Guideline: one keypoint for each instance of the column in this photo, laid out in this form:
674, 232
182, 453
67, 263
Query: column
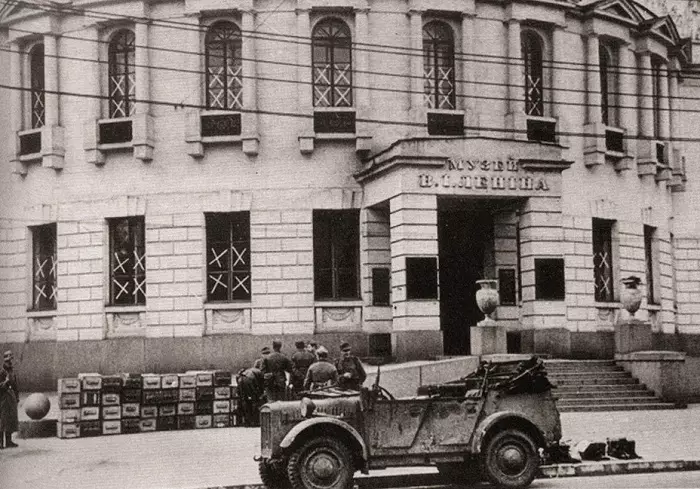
646, 153
675, 148
51, 80
628, 88
143, 139
559, 79
664, 105
515, 85
362, 82
593, 79
16, 110
413, 230
193, 88
93, 85
416, 64
469, 67
304, 82
250, 87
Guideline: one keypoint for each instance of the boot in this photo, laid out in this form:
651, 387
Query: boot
8, 440
2, 440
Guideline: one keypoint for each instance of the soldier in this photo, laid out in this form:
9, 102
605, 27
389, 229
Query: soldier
301, 361
263, 353
321, 373
275, 367
313, 348
9, 396
250, 392
351, 373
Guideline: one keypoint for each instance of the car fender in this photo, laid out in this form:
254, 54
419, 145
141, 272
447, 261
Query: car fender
306, 424
487, 423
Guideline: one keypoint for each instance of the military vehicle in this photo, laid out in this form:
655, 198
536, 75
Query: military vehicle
491, 424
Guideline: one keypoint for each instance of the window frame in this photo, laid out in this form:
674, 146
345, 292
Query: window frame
127, 50
528, 39
433, 47
232, 221
651, 262
656, 80
608, 63
37, 85
331, 43
234, 42
138, 250
45, 264
328, 238
601, 229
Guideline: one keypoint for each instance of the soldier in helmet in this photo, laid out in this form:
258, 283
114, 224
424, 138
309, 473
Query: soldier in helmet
275, 368
9, 397
250, 392
301, 361
321, 373
351, 373
264, 352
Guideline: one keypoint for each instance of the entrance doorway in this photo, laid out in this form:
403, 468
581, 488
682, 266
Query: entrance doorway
465, 247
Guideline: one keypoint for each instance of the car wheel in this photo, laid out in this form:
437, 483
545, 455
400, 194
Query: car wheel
510, 459
321, 463
273, 474
460, 472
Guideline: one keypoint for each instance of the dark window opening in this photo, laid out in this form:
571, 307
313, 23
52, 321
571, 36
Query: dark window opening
421, 278
127, 261
549, 279
30, 143
543, 131
381, 287
228, 256
614, 141
221, 125
37, 86
603, 260
650, 259
44, 283
380, 345
336, 254
506, 286
445, 124
532, 52
113, 132
334, 122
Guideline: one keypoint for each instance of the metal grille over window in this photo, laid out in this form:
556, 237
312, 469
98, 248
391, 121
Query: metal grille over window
228, 256
332, 64
224, 67
534, 87
44, 287
127, 261
438, 66
122, 82
336, 254
602, 260
36, 63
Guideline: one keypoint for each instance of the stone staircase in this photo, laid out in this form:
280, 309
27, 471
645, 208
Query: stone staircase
599, 385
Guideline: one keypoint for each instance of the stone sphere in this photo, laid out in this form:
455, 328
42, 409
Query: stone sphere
37, 405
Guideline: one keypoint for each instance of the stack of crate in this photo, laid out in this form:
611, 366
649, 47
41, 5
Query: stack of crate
93, 405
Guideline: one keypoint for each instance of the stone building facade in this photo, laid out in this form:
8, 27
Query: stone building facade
184, 180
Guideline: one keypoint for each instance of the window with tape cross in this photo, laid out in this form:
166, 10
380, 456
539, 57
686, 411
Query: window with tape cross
122, 76
44, 287
532, 52
438, 66
224, 67
36, 75
332, 64
228, 256
603, 260
127, 261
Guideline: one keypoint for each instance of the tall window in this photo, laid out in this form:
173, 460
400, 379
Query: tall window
656, 81
532, 50
336, 254
127, 261
439, 66
332, 64
650, 259
224, 66
36, 75
603, 260
122, 88
44, 265
608, 83
228, 256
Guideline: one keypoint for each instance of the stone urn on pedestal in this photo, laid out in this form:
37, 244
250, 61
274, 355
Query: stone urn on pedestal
632, 334
487, 337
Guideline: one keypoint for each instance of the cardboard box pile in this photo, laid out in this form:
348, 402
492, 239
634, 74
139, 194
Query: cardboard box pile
94, 404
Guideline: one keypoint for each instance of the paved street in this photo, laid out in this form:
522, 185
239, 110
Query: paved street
213, 457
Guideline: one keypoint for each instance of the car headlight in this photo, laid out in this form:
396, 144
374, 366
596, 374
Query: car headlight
307, 407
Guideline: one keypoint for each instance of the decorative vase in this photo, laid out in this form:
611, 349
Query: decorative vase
487, 297
631, 295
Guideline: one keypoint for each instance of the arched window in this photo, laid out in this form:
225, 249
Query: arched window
439, 66
36, 75
332, 64
122, 88
608, 83
224, 67
532, 52
656, 81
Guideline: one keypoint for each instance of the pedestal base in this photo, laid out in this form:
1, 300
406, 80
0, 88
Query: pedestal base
632, 335
488, 339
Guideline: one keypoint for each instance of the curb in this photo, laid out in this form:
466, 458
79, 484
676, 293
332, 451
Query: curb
547, 472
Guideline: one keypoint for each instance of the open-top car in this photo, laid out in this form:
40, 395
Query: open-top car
491, 423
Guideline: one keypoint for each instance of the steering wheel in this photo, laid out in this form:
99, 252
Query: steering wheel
383, 393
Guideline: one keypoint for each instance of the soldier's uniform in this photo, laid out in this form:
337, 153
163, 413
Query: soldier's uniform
351, 373
302, 359
321, 373
250, 393
9, 396
274, 367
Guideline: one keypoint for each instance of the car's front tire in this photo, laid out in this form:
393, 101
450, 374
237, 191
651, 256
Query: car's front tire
273, 474
510, 459
321, 463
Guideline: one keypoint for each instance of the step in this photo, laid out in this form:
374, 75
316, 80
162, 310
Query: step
592, 381
578, 388
618, 407
588, 373
585, 368
602, 394
606, 400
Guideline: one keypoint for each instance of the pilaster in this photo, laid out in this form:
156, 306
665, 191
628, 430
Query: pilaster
251, 138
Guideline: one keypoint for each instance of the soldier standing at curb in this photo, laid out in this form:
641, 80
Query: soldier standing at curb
275, 367
351, 373
263, 353
302, 359
9, 397
250, 391
321, 373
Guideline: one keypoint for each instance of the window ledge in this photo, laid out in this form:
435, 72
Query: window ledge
124, 309
48, 313
331, 136
334, 109
608, 305
446, 111
30, 157
221, 139
653, 307
114, 146
221, 306
339, 303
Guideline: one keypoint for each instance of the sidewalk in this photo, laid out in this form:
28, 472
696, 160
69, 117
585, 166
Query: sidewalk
224, 457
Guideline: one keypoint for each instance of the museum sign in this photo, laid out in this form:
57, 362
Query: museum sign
501, 175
